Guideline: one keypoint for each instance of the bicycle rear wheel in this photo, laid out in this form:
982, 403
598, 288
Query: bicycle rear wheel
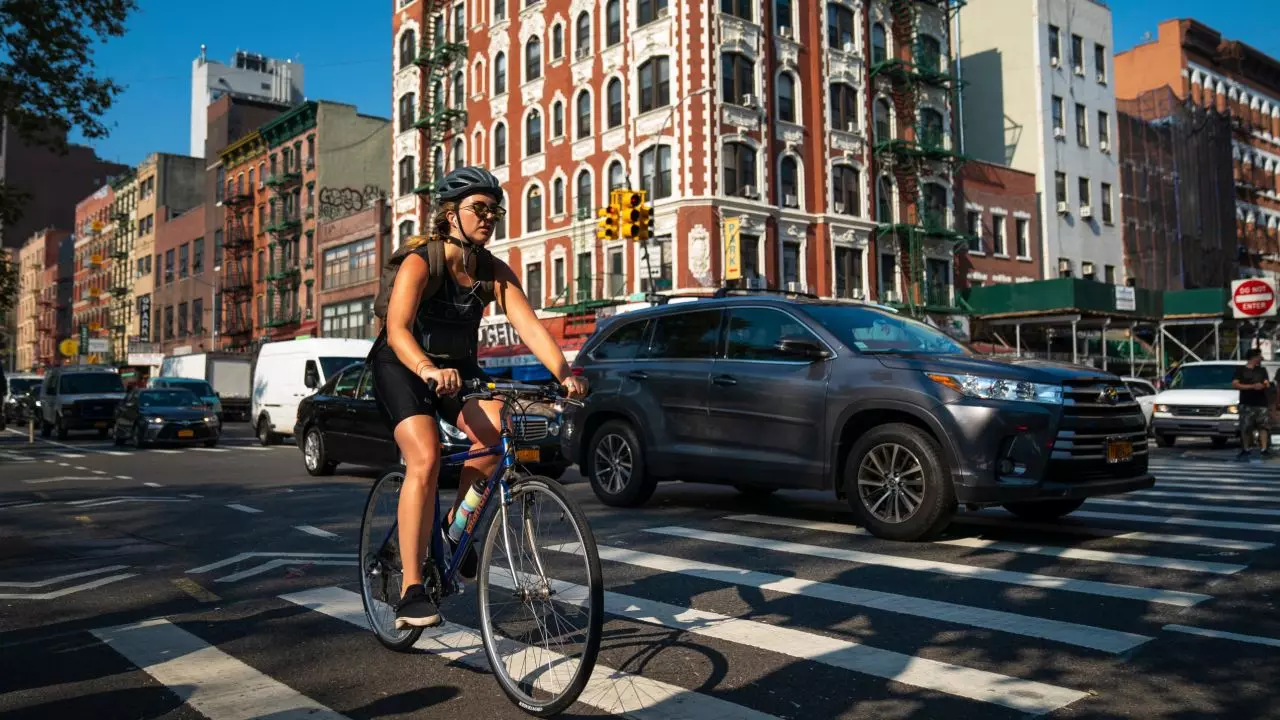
541, 597
380, 570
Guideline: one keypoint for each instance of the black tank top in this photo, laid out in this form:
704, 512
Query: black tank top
447, 324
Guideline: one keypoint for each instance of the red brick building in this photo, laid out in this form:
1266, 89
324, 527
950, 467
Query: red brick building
184, 282
243, 202
1001, 213
1199, 65
349, 252
90, 281
770, 113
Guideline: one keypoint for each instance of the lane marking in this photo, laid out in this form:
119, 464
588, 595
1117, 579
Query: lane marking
193, 496
312, 530
124, 477
212, 449
60, 478
64, 464
1166, 520
60, 578
1176, 598
283, 562
1230, 509
165, 451
981, 685
194, 589
1198, 540
243, 508
99, 472
55, 594
212, 682
1112, 641
1004, 546
51, 461
69, 455
81, 467
152, 485
115, 453
250, 555
116, 500
615, 692
1224, 635
1188, 485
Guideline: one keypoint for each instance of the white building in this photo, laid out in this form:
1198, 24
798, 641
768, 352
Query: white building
249, 75
1040, 98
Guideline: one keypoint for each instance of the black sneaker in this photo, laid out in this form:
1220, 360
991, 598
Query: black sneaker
415, 609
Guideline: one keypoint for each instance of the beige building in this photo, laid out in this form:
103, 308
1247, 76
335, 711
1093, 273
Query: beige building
30, 275
166, 185
122, 230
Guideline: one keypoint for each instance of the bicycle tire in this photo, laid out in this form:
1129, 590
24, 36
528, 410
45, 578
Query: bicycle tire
591, 647
392, 639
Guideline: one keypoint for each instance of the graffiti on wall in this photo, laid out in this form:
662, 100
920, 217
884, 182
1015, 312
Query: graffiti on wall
340, 202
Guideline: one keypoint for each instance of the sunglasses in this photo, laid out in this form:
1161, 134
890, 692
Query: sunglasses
482, 210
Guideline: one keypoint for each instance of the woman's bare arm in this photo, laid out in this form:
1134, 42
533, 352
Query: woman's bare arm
406, 293
515, 304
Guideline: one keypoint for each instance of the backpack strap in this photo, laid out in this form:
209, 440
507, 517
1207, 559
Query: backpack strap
437, 266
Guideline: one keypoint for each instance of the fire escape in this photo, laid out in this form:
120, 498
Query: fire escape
918, 68
284, 266
46, 325
438, 121
120, 281
236, 283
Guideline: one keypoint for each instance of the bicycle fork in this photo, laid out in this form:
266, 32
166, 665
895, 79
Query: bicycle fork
543, 591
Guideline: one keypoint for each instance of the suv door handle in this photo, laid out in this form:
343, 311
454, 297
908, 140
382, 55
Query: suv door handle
638, 375
724, 380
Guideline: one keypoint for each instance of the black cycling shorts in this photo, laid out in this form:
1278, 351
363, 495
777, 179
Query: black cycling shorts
400, 394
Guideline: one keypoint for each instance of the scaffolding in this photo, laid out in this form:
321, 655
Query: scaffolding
438, 120
1176, 199
922, 147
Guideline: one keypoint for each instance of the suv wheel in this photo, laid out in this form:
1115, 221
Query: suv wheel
1045, 509
898, 485
615, 466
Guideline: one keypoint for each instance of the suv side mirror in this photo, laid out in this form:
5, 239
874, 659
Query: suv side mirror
802, 347
312, 377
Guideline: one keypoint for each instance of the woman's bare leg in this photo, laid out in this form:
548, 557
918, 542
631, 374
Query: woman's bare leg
419, 440
481, 420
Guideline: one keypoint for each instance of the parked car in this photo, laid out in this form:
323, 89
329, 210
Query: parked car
79, 397
165, 415
1145, 393
200, 388
1200, 402
15, 394
767, 392
286, 372
341, 423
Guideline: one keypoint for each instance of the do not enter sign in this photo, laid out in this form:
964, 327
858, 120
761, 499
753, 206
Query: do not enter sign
1255, 297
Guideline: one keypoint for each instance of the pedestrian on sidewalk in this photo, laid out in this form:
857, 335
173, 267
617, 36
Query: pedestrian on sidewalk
1255, 412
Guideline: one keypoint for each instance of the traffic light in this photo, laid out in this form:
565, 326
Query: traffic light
631, 216
645, 221
607, 225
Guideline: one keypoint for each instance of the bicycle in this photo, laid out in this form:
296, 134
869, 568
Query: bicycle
537, 581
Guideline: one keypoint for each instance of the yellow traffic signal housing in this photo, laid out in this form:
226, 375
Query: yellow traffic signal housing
607, 225
632, 216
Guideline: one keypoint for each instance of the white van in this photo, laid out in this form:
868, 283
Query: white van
285, 372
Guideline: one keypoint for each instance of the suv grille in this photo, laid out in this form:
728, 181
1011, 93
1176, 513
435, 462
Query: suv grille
1195, 410
530, 428
95, 409
1091, 419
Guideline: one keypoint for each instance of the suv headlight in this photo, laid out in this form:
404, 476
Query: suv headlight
987, 388
1233, 409
213, 419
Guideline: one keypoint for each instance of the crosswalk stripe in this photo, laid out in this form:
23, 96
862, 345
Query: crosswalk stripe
1177, 598
250, 555
1224, 635
1112, 641
1181, 485
1002, 546
615, 692
165, 451
282, 562
981, 685
69, 455
1168, 520
1269, 480
53, 580
1116, 534
1232, 509
213, 683
211, 450
62, 592
1178, 493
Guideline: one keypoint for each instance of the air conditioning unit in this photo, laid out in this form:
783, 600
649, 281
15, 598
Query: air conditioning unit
786, 32
663, 12
581, 53
1055, 62
1059, 133
1104, 146
1064, 266
848, 47
1062, 207
1086, 211
1102, 78
790, 201
748, 101
851, 126
749, 191
796, 287
1086, 268
757, 283
839, 207
1078, 70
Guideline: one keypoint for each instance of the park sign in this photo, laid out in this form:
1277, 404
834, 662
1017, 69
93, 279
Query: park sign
1253, 298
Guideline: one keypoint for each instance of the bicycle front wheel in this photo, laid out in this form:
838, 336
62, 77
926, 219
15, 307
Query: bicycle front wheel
541, 597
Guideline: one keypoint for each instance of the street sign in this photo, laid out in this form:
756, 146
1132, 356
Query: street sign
84, 335
69, 347
1253, 298
732, 248
99, 346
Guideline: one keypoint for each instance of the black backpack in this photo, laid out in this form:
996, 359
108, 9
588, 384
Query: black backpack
434, 249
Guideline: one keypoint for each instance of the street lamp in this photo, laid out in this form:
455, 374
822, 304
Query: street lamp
213, 324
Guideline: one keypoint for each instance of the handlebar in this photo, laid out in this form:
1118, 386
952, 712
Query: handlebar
482, 390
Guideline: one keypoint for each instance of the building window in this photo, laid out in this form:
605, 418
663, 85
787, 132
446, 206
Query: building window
1082, 126
499, 10
406, 230
789, 182
1059, 122
1104, 130
655, 171
459, 24
613, 23
557, 279
584, 115
533, 210
557, 119
879, 44
790, 261
737, 77
884, 128
437, 27
184, 257
1106, 203
533, 284
933, 132
250, 180
1060, 187
182, 320
848, 272
617, 276
350, 264
784, 16
459, 154
1077, 54
929, 54
408, 51
614, 93
582, 195
1021, 229
934, 210
262, 175
751, 256
557, 42
973, 222
997, 235
459, 91
533, 134
437, 162
840, 27
1100, 62
1109, 274
499, 73
168, 267
500, 145
884, 200
582, 36
533, 59
847, 184
557, 197
649, 10
1084, 192
582, 271
1055, 45
348, 320
739, 168
406, 118
617, 177
787, 97
406, 174
168, 322
655, 84
217, 248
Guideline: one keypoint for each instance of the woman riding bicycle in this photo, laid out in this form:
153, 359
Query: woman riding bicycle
435, 339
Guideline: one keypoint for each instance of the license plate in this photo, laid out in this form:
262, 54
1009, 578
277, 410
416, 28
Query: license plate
186, 433
1119, 451
101, 424
528, 455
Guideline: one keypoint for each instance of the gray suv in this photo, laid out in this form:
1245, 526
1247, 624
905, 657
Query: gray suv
766, 392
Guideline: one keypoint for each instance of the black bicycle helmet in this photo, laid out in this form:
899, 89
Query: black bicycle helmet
467, 181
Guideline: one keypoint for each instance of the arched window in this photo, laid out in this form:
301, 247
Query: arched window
879, 44
459, 154
844, 107
557, 119
884, 130
841, 26
655, 171
557, 197
533, 134
533, 215
617, 177
613, 23
583, 119
739, 163
408, 48
789, 182
737, 77
582, 36
582, 195
437, 162
533, 59
884, 200
477, 147
437, 96
499, 73
935, 205
847, 184
929, 54
500, 10
932, 128
407, 173
406, 230
407, 112
787, 97
459, 91
557, 41
500, 145
614, 93
655, 83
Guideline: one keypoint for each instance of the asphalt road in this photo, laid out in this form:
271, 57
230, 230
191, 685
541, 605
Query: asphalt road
184, 583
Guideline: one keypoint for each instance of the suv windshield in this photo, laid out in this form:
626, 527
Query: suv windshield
873, 331
1204, 377
167, 398
86, 383
19, 386
199, 387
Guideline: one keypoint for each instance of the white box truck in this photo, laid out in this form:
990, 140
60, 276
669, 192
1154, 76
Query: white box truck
229, 374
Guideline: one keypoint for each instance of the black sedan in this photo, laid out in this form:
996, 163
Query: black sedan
165, 415
340, 423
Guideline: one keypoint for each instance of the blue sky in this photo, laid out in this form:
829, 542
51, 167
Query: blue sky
347, 53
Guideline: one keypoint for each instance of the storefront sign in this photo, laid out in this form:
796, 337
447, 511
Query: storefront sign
732, 236
1126, 299
144, 317
498, 334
